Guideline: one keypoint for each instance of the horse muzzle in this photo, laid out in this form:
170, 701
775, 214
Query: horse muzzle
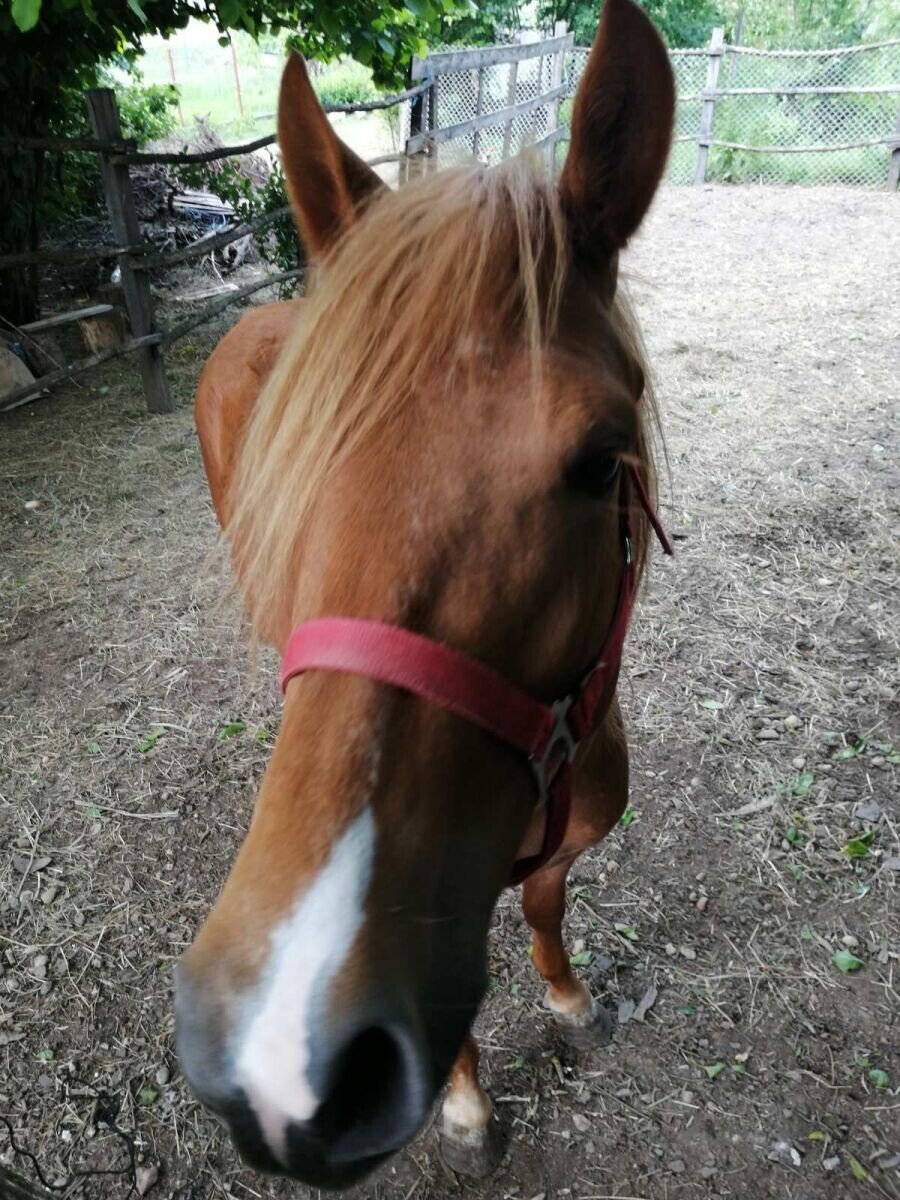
369, 1084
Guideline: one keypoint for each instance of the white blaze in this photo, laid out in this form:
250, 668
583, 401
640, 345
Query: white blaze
307, 950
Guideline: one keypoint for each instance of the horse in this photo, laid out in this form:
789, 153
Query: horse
435, 477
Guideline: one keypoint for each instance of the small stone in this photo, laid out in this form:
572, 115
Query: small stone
578, 946
798, 763
49, 893
878, 760
831, 1164
792, 722
786, 1153
849, 940
708, 1172
677, 1167
687, 1096
702, 903
78, 920
671, 950
768, 735
39, 966
31, 505
46, 987
163, 1075
145, 1178
869, 810
892, 863
581, 1123
25, 864
687, 952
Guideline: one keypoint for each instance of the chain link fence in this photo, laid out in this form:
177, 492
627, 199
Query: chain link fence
784, 116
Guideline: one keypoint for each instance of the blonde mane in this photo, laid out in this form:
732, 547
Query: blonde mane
470, 258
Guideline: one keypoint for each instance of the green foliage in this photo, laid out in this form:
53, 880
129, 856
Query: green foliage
345, 83
278, 243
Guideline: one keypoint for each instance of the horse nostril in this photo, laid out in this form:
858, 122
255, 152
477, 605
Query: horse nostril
376, 1099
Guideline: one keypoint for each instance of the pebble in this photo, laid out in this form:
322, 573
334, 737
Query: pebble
702, 903
708, 1172
163, 1075
768, 735
831, 1164
581, 1123
799, 762
878, 760
39, 966
792, 722
849, 940
144, 1178
687, 1096
786, 1153
676, 1166
49, 893
671, 950
688, 952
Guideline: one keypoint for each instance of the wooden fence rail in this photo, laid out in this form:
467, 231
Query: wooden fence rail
429, 129
136, 256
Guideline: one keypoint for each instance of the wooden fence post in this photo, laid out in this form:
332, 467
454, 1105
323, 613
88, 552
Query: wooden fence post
708, 111
560, 29
126, 231
894, 167
510, 101
479, 108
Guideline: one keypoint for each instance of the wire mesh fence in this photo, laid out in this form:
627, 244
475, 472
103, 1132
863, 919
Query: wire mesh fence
783, 116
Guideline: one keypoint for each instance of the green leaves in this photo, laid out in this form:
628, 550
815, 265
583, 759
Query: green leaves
880, 1078
582, 959
151, 739
137, 10
626, 931
231, 729
847, 752
858, 847
857, 1170
627, 817
803, 783
25, 13
845, 961
714, 1069
712, 705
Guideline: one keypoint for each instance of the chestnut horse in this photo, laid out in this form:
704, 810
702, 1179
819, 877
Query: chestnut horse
429, 448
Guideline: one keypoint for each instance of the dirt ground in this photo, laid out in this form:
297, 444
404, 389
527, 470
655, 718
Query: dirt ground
761, 697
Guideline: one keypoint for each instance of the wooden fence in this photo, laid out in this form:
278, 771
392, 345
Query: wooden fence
136, 256
484, 103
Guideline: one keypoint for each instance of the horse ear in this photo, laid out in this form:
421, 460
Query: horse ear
327, 183
621, 132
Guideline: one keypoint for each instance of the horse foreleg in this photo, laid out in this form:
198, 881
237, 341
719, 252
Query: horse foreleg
470, 1140
544, 903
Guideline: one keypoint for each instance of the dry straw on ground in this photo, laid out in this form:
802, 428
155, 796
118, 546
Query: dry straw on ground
760, 693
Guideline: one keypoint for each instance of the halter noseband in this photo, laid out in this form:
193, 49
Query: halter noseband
549, 735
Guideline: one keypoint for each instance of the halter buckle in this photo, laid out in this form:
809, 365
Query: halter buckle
560, 750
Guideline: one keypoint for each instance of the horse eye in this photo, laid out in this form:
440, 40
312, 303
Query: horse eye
591, 472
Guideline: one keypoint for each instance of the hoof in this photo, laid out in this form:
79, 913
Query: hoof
587, 1030
472, 1152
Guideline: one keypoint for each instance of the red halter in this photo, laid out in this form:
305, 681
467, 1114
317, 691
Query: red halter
549, 735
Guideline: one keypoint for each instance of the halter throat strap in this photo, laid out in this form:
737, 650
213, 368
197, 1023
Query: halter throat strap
548, 735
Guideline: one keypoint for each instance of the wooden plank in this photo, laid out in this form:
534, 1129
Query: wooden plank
556, 78
479, 109
894, 169
31, 391
707, 114
92, 254
872, 89
126, 229
470, 60
511, 92
61, 144
211, 310
66, 318
417, 143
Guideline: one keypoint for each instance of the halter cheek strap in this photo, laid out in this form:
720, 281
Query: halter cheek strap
548, 735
